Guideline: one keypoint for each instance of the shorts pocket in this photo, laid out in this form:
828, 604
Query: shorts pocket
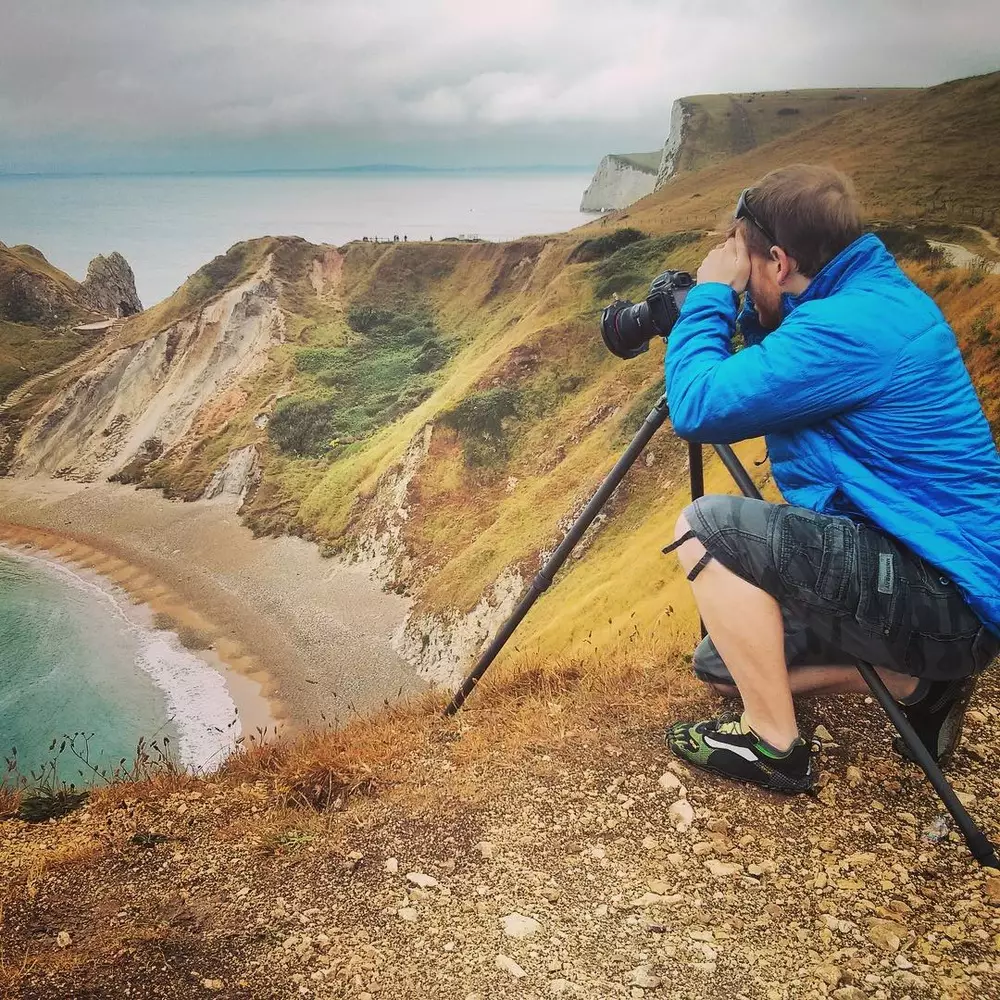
882, 588
816, 556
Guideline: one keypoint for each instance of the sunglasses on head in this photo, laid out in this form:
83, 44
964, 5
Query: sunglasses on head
743, 212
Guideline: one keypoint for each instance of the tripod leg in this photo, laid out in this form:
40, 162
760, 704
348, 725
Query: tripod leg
654, 420
981, 848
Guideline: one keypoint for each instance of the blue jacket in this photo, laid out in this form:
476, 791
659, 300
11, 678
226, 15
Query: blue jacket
867, 406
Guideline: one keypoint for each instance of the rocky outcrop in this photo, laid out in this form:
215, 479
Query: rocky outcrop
620, 179
237, 477
670, 155
102, 424
109, 287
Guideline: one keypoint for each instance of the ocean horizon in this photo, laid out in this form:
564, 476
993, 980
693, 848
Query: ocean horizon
167, 225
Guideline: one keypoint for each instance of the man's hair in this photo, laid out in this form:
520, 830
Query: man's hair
811, 211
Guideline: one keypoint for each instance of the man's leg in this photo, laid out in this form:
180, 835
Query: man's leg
746, 626
830, 678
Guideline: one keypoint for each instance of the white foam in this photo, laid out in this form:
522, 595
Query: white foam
198, 701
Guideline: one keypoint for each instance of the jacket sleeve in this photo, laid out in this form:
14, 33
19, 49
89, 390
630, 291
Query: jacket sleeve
803, 372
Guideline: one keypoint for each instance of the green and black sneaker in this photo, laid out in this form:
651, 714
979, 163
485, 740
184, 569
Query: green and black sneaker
728, 748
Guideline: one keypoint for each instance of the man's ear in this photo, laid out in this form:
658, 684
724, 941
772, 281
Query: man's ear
787, 266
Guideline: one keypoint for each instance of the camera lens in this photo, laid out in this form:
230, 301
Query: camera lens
627, 328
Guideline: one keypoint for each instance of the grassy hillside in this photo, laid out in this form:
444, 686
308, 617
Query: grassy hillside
38, 306
720, 126
922, 157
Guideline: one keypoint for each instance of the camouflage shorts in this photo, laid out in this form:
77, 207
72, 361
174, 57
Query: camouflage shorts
846, 591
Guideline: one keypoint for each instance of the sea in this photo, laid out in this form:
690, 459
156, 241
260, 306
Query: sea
80, 672
84, 679
167, 226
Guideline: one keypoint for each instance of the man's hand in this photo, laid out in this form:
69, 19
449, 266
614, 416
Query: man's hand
728, 263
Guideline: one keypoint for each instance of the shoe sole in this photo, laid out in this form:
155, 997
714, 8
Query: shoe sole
767, 785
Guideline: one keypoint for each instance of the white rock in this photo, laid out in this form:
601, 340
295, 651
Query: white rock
508, 965
823, 734
63, 939
407, 913
486, 849
643, 978
722, 869
681, 814
557, 987
517, 925
392, 866
422, 881
651, 844
671, 784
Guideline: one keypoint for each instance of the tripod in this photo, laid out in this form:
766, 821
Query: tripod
977, 841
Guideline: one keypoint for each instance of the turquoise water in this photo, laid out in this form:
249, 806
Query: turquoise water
72, 659
167, 226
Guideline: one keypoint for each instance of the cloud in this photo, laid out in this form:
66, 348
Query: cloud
156, 72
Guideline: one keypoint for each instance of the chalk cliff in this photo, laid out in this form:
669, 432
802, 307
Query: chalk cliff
620, 179
670, 155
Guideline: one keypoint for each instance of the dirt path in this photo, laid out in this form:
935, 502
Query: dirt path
959, 256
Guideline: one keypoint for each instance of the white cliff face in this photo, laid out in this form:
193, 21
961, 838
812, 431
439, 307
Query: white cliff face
618, 182
672, 146
153, 390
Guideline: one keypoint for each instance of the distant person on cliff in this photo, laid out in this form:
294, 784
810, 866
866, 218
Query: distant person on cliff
889, 547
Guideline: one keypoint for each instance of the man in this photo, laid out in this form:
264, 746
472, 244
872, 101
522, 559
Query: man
888, 549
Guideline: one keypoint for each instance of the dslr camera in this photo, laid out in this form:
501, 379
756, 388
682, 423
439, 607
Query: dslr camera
627, 328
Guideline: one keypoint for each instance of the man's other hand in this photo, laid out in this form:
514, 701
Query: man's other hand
728, 263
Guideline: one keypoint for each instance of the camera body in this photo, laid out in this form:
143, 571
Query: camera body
627, 327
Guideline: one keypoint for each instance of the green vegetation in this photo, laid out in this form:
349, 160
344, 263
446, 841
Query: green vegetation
483, 421
637, 263
907, 243
982, 325
603, 246
26, 351
386, 371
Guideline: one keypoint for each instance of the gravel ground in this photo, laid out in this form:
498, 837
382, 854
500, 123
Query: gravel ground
591, 865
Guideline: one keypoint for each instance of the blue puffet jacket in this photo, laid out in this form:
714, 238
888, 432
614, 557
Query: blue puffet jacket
867, 406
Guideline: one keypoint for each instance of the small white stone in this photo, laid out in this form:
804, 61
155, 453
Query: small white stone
517, 925
63, 939
422, 881
681, 815
671, 784
407, 913
643, 978
506, 964
392, 866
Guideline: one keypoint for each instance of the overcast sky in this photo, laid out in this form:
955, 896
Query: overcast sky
258, 84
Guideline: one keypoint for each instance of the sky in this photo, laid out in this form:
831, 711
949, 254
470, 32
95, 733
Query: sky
191, 85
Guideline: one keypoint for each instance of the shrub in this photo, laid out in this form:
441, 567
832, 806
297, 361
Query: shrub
603, 246
361, 386
787, 111
982, 326
908, 244
978, 268
303, 425
483, 421
637, 263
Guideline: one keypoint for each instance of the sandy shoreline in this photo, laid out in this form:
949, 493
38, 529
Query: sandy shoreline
154, 606
299, 639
